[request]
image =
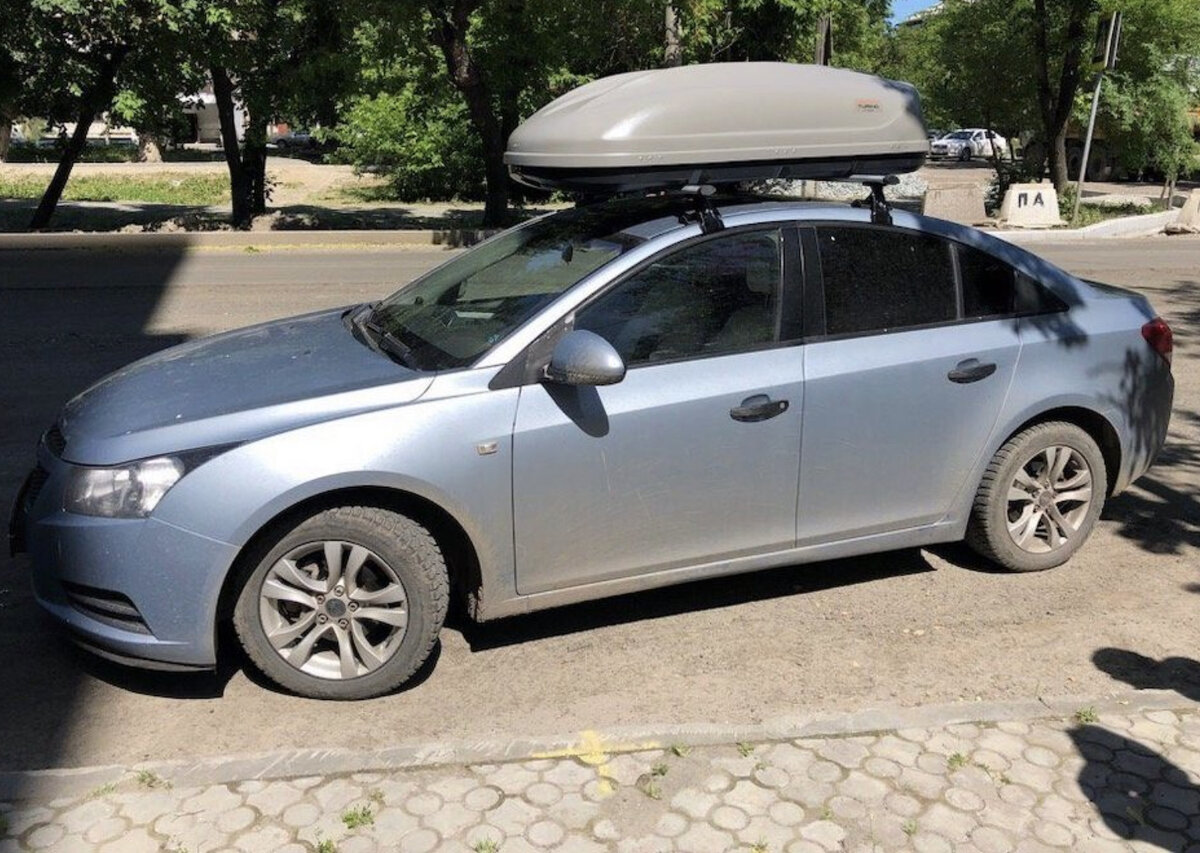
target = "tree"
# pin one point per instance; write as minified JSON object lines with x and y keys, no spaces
{"x":269,"y":59}
{"x":1060,"y":35}
{"x":783,"y":30}
{"x":78,"y":52}
{"x":977,"y":82}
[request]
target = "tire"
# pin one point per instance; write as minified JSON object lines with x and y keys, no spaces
{"x":964,"y":155}
{"x":361,"y":636}
{"x":1012,"y":523}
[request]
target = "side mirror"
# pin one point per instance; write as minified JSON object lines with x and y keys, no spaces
{"x":584,"y":358}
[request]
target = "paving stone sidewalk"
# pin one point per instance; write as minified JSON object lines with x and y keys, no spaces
{"x":1091,"y":781}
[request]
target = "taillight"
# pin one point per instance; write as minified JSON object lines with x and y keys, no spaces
{"x":1158,"y":334}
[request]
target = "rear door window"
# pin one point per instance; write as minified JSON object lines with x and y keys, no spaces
{"x":879,"y":280}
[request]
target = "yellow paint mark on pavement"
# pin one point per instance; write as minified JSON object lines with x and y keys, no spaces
{"x":593,"y":751}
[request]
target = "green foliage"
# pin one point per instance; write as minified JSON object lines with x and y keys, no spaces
{"x":771,"y":30}
{"x":1148,"y":122}
{"x":421,"y":140}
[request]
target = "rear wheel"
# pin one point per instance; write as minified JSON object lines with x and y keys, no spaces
{"x":346,"y":605}
{"x":1039,"y":499}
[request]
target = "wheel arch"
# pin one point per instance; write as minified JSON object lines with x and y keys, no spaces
{"x":456,"y":545}
{"x":1090,"y":421}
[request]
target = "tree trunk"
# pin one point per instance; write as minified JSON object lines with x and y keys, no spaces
{"x":94,"y":100}
{"x":149,"y":147}
{"x":254,"y":162}
{"x":1059,"y":174}
{"x":5,"y":136}
{"x":450,"y":34}
{"x":673,"y":52}
{"x":49,"y":201}
{"x":240,"y":190}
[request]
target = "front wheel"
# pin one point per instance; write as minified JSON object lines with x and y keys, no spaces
{"x":1039,"y":499}
{"x":346,"y":605}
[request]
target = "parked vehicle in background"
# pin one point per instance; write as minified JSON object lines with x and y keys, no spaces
{"x":293,"y":140}
{"x":968,"y":143}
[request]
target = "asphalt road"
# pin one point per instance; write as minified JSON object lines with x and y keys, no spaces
{"x":901,"y":628}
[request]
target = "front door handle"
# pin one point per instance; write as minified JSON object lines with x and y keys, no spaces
{"x":760,"y":407}
{"x":971,"y":370}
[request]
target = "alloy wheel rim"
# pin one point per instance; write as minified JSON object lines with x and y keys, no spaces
{"x":1048,"y":500}
{"x":333,"y":609}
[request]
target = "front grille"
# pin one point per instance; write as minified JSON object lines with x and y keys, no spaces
{"x":56,"y":442}
{"x":103,"y":605}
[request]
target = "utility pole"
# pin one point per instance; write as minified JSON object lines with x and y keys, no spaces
{"x":1104,"y":58}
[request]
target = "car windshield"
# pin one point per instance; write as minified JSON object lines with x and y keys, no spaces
{"x":960,"y":134}
{"x":451,"y":316}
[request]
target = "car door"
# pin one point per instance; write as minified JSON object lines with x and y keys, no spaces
{"x":904,"y":378}
{"x":694,"y":456}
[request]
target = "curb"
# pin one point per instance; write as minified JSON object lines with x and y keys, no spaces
{"x":1127,"y":226}
{"x":591,"y":747}
{"x":451,"y":238}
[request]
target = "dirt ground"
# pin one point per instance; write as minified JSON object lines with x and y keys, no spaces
{"x":902,"y":628}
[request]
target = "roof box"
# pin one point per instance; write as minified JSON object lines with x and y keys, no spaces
{"x":717,"y":124}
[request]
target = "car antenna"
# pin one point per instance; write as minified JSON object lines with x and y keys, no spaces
{"x":881,"y":211}
{"x":704,"y":213}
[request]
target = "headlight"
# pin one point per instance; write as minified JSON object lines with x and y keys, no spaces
{"x":126,"y":491}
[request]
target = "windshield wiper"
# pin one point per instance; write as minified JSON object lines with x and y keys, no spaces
{"x":380,"y":339}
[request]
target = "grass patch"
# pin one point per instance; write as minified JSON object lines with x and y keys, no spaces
{"x":102,"y":791}
{"x":358,"y":818}
{"x":680,"y":750}
{"x":486,"y":845}
{"x":957,"y":761}
{"x":150,"y":779}
{"x":745,"y":749}
{"x":326,"y":845}
{"x":1087,"y":715}
{"x":162,"y":188}
{"x":910,"y":827}
{"x":1090,"y":214}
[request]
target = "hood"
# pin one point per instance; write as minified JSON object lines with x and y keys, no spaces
{"x":233,"y":387}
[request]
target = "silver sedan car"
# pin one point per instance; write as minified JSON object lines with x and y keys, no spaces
{"x":612,"y":398}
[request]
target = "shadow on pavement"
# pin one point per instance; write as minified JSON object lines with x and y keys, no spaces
{"x":1139,"y":794}
{"x":689,"y":597}
{"x":1175,"y":673}
{"x":67,"y":319}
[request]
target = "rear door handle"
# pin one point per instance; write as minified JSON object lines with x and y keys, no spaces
{"x":760,"y":407}
{"x":971,"y":370}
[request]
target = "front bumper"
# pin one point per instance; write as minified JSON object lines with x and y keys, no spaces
{"x":138,"y":590}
